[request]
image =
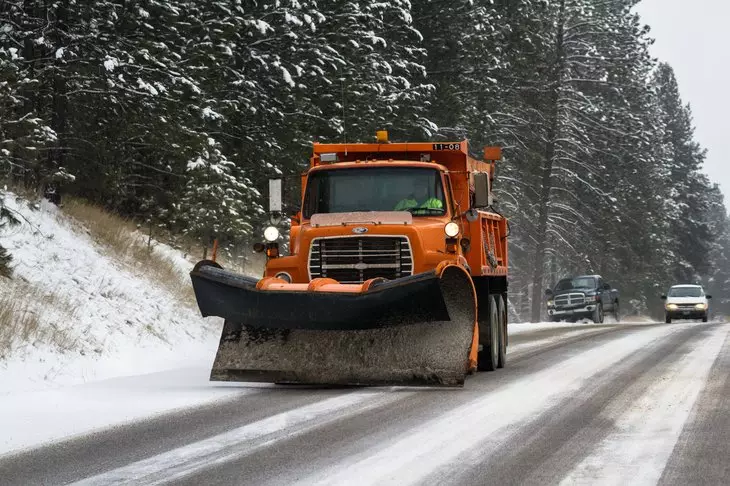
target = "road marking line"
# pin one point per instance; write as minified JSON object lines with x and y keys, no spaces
{"x":638,"y":451}
{"x":186,"y":460}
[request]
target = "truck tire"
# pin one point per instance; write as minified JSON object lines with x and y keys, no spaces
{"x":667,"y":319}
{"x":489,"y":338}
{"x":502,"y":357}
{"x":597,"y":316}
{"x":616,"y":314}
{"x":704,"y":318}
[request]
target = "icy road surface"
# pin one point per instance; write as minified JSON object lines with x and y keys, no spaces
{"x":578,"y":404}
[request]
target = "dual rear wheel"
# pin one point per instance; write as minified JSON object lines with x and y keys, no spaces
{"x":493,"y":334}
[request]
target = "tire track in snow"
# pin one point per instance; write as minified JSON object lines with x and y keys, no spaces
{"x":439,"y":442}
{"x":112,"y":448}
{"x":543,"y":450}
{"x":327,"y":447}
{"x":638,"y":449}
{"x":315,"y":446}
{"x":183,"y":461}
{"x":702,"y":451}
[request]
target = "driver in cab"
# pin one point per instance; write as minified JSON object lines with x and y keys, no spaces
{"x":419,"y":199}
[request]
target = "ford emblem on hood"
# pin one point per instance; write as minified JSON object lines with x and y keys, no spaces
{"x":359,"y":230}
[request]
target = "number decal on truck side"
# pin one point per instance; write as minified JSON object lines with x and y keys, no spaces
{"x":447,"y":146}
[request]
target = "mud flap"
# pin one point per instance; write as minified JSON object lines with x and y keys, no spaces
{"x":415,"y":331}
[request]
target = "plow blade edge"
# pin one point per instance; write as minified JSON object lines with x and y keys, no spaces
{"x":415,"y":330}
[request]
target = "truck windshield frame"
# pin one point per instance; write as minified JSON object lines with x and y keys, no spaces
{"x":418,"y":190}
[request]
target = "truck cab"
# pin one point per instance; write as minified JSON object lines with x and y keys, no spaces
{"x":582,"y":297}
{"x":391,"y":210}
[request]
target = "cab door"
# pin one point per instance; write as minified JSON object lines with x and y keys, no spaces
{"x":605,"y":289}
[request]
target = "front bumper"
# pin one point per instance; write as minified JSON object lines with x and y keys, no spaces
{"x":686,"y":314}
{"x":576,"y":312}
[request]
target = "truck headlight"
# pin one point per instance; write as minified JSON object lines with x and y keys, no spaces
{"x":550,"y":303}
{"x":451,"y":229}
{"x":271,"y":234}
{"x":701,"y":306}
{"x":672,"y":307}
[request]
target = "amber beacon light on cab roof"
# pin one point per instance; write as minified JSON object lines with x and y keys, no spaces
{"x":396,"y":274}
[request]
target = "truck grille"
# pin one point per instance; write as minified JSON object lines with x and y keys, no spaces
{"x":357,"y":259}
{"x":686,"y":306}
{"x":569,"y":300}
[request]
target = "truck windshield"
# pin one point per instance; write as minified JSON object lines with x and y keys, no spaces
{"x":576,"y":283}
{"x":685,"y":292}
{"x":413,"y":189}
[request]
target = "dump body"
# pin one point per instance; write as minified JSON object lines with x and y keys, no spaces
{"x":395,"y":274}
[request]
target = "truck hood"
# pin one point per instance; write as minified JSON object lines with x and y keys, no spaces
{"x":579,"y":290}
{"x":362,"y":217}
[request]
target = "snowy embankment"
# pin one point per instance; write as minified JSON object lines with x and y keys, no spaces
{"x":93,"y":317}
{"x":80,"y":315}
{"x":77,"y":321}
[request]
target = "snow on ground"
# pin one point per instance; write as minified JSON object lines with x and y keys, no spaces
{"x":523,"y":327}
{"x":29,"y":419}
{"x":114,"y":321}
{"x":647,"y":430}
{"x":453,"y":434}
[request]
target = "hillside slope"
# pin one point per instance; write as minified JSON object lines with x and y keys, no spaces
{"x":72,"y":313}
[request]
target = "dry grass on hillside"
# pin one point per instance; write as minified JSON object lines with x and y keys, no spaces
{"x":20,"y":323}
{"x":127,"y":245}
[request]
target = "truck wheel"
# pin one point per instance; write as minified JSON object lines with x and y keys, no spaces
{"x":502,"y":357}
{"x":598,"y":314}
{"x":667,"y":319}
{"x":489,"y":338}
{"x":704,"y":318}
{"x":616,"y":314}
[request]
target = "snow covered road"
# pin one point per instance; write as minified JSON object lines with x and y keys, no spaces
{"x":577,"y":404}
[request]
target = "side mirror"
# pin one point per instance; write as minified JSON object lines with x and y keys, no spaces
{"x":259,"y":247}
{"x":664,"y":297}
{"x":708,"y":296}
{"x":607,"y":286}
{"x":548,"y":292}
{"x":482,"y":196}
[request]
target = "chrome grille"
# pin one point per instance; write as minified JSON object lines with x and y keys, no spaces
{"x":570,"y":299}
{"x":357,"y":259}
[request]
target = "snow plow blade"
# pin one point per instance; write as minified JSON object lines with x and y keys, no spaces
{"x":413,"y":331}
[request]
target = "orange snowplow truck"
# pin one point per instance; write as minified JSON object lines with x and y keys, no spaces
{"x":396,"y":274}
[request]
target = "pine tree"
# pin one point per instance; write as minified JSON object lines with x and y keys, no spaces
{"x":217,"y":201}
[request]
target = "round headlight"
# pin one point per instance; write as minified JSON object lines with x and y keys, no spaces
{"x":271,"y":234}
{"x":451,"y":229}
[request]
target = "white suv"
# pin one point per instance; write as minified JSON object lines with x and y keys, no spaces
{"x":686,"y":302}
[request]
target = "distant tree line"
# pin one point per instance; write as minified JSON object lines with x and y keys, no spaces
{"x":176,"y":113}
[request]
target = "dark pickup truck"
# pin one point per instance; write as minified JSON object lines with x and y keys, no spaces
{"x":584,"y":297}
